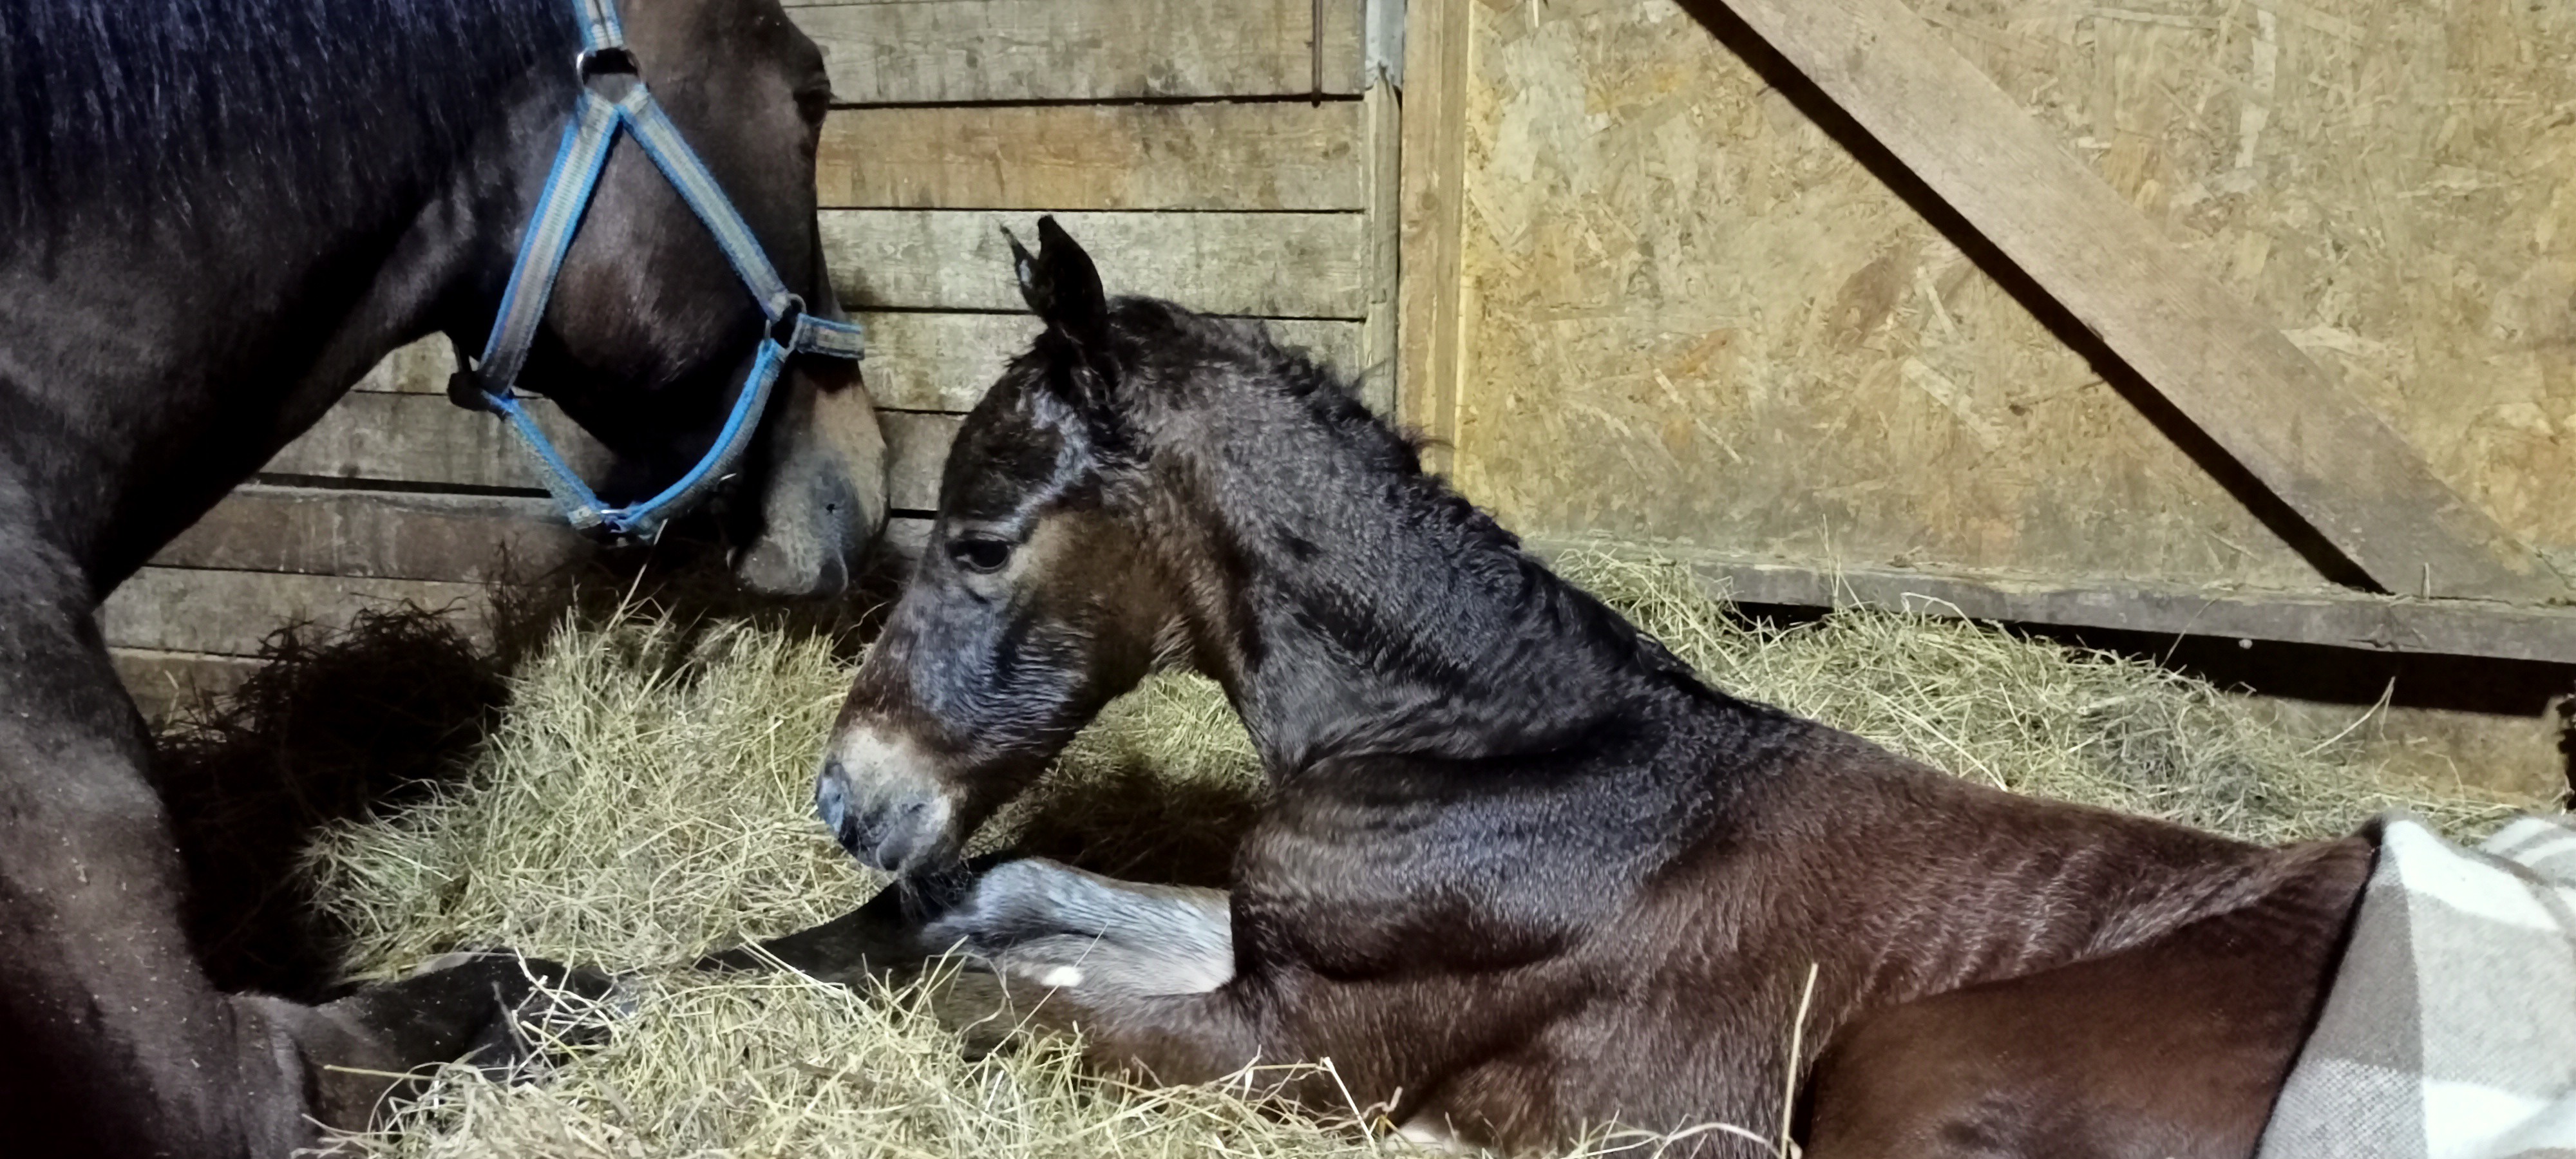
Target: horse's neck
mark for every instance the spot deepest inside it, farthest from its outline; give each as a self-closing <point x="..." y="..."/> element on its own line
<point x="1378" y="614"/>
<point x="265" y="321"/>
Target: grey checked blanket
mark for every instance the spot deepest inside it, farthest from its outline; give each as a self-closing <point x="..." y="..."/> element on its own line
<point x="2450" y="1031"/>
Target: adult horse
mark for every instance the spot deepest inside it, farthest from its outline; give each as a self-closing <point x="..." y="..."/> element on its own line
<point x="214" y="217"/>
<point x="1520" y="871"/>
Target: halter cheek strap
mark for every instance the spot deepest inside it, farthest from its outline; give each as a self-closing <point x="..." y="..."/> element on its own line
<point x="488" y="384"/>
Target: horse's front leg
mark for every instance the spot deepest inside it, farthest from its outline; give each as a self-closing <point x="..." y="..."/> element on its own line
<point x="113" y="1041"/>
<point x="1145" y="972"/>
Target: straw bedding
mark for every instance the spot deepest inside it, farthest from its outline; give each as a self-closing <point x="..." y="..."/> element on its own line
<point x="643" y="797"/>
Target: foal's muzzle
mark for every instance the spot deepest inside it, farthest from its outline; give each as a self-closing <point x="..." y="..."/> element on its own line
<point x="888" y="818"/>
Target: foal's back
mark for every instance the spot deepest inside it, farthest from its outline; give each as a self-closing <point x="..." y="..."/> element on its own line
<point x="1993" y="974"/>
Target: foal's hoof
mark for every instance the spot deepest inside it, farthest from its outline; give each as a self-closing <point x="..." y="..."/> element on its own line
<point x="558" y="1009"/>
<point x="495" y="1010"/>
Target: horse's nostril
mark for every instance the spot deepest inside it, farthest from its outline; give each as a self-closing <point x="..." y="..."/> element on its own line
<point x="832" y="769"/>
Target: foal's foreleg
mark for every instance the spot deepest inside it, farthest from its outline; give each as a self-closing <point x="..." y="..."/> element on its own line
<point x="1142" y="970"/>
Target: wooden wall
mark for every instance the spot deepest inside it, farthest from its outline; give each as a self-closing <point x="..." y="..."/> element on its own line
<point x="1680" y="311"/>
<point x="1230" y="156"/>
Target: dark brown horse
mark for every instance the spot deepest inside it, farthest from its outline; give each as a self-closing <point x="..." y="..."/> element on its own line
<point x="214" y="218"/>
<point x="1520" y="873"/>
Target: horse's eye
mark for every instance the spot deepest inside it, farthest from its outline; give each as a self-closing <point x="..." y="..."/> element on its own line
<point x="980" y="555"/>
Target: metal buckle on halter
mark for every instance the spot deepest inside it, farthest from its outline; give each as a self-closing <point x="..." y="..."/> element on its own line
<point x="607" y="60"/>
<point x="783" y="329"/>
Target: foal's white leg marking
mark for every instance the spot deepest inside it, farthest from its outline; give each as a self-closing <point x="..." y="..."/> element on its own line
<point x="1062" y="927"/>
<point x="1061" y="977"/>
<point x="1434" y="1137"/>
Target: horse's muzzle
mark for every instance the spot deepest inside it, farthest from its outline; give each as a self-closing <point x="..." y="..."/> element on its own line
<point x="889" y="819"/>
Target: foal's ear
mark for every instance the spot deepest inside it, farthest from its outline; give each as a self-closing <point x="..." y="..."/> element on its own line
<point x="1061" y="284"/>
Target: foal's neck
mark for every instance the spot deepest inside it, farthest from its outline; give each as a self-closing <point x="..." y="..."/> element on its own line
<point x="1378" y="614"/>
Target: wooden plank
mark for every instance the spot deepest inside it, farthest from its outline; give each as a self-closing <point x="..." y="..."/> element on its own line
<point x="164" y="682"/>
<point x="2213" y="356"/>
<point x="2354" y="620"/>
<point x="1385" y="230"/>
<point x="916" y="448"/>
<point x="379" y="534"/>
<point x="906" y="535"/>
<point x="944" y="362"/>
<point x="1434" y="186"/>
<point x="1290" y="155"/>
<point x="229" y="613"/>
<point x="1272" y="265"/>
<point x="420" y="368"/>
<point x="1084" y="50"/>
<point x="422" y="438"/>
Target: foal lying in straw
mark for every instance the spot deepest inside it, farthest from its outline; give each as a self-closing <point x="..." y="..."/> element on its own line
<point x="1521" y="873"/>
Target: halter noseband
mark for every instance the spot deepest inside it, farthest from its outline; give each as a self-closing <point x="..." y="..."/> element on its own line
<point x="487" y="384"/>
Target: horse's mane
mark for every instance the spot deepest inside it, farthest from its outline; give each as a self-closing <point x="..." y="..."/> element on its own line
<point x="126" y="106"/>
<point x="1542" y="604"/>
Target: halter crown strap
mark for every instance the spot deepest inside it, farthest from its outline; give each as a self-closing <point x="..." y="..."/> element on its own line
<point x="583" y="155"/>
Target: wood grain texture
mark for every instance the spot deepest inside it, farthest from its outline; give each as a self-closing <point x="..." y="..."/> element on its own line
<point x="420" y="368"/>
<point x="2345" y="620"/>
<point x="164" y="682"/>
<point x="1082" y="50"/>
<point x="916" y="449"/>
<point x="945" y="362"/>
<point x="1283" y="155"/>
<point x="230" y="613"/>
<point x="1271" y="265"/>
<point x="422" y="438"/>
<point x="906" y="536"/>
<point x="1432" y="199"/>
<point x="379" y="535"/>
<point x="1380" y="330"/>
<point x="2204" y="349"/>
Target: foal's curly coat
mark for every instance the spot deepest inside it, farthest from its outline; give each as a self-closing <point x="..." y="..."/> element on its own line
<point x="1521" y="871"/>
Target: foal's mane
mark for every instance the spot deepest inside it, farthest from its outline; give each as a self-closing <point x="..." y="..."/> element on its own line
<point x="1539" y="603"/>
<point x="128" y="106"/>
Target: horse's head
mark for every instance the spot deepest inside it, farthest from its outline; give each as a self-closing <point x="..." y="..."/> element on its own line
<point x="1072" y="553"/>
<point x="649" y="333"/>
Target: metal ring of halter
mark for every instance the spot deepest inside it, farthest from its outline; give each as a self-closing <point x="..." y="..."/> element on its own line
<point x="487" y="384"/>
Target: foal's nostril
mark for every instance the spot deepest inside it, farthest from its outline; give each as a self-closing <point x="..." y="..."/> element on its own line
<point x="831" y="797"/>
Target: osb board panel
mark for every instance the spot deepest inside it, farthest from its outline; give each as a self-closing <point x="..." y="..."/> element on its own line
<point x="1064" y="50"/>
<point x="1296" y="155"/>
<point x="1692" y="317"/>
<point x="945" y="362"/>
<point x="1275" y="265"/>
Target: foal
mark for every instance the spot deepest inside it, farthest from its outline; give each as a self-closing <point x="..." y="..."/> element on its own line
<point x="1521" y="872"/>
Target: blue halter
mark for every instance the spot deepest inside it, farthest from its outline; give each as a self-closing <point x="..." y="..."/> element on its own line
<point x="487" y="384"/>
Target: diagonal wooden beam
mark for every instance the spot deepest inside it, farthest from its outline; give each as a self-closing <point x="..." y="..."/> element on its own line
<point x="2209" y="353"/>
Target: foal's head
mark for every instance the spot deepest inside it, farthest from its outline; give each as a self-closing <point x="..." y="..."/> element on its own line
<point x="1078" y="544"/>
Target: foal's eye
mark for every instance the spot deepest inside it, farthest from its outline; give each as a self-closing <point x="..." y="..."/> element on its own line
<point x="980" y="555"/>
